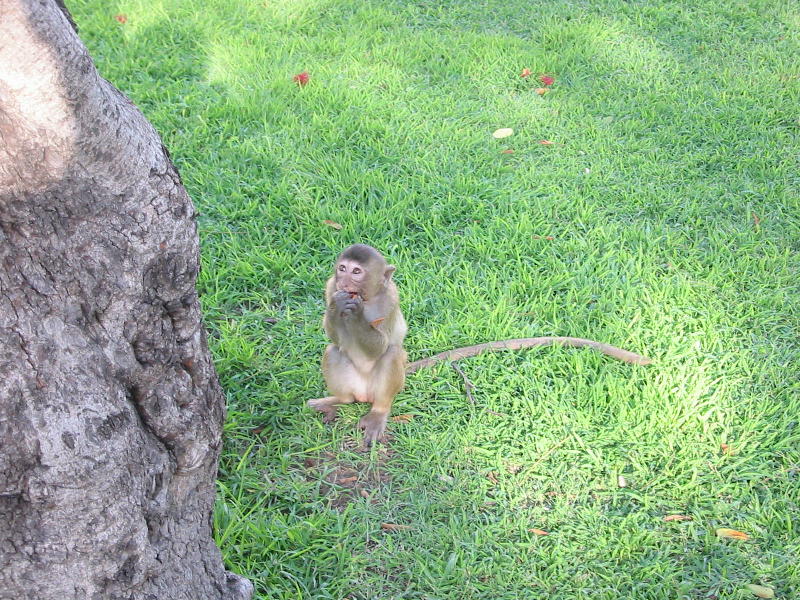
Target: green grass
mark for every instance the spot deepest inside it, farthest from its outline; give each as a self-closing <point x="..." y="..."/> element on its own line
<point x="672" y="196"/>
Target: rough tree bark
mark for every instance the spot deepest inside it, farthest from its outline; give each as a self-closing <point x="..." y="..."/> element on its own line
<point x="110" y="409"/>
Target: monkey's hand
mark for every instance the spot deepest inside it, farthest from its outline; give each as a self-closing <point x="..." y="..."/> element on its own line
<point x="348" y="305"/>
<point x="374" y="426"/>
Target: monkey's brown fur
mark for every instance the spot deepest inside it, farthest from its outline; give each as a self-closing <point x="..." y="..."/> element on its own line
<point x="366" y="361"/>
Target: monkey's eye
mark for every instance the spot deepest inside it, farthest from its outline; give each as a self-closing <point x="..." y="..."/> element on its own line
<point x="341" y="268"/>
<point x="356" y="271"/>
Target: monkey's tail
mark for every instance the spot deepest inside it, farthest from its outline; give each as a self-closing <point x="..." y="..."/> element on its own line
<point x="522" y="343"/>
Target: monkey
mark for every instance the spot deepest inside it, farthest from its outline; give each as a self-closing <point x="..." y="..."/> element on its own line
<point x="366" y="362"/>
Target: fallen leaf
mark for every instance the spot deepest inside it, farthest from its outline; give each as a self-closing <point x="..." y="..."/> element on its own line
<point x="541" y="91"/>
<point x="509" y="151"/>
<point x="733" y="534"/>
<point x="402" y="418"/>
<point x="538" y="531"/>
<point x="121" y="18"/>
<point x="503" y="132"/>
<point x="333" y="224"/>
<point x="756" y="220"/>
<point x="525" y="73"/>
<point x="345" y="480"/>
<point x="364" y="493"/>
<point x="301" y="79"/>
<point x="546" y="79"/>
<point x="394" y="527"/>
<point x="760" y="590"/>
<point x="677" y="518"/>
<point x="492" y="476"/>
<point x="549" y="238"/>
<point x="546" y="142"/>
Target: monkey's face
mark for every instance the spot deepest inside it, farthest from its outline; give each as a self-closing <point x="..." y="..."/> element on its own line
<point x="354" y="278"/>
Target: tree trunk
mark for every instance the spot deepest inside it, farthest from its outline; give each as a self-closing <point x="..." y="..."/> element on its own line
<point x="110" y="409"/>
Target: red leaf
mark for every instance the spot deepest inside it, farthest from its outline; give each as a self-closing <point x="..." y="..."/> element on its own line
<point x="525" y="73"/>
<point x="301" y="78"/>
<point x="121" y="18"/>
<point x="546" y="79"/>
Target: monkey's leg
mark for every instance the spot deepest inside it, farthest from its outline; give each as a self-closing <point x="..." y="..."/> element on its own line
<point x="342" y="380"/>
<point x="328" y="406"/>
<point x="386" y="380"/>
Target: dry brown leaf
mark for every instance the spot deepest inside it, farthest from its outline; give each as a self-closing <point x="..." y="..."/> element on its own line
<point x="549" y="238"/>
<point x="394" y="527"/>
<point x="761" y="591"/>
<point x="727" y="449"/>
<point x="677" y="518"/>
<point x="509" y="151"/>
<point x="492" y="476"/>
<point x="546" y="142"/>
<point x="538" y="531"/>
<point x="732" y="534"/>
<point x="333" y="224"/>
<point x="345" y="480"/>
<point x="364" y="493"/>
<point x="402" y="418"/>
<point x="503" y="132"/>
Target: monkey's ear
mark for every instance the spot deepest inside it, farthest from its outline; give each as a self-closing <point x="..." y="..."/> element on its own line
<point x="387" y="274"/>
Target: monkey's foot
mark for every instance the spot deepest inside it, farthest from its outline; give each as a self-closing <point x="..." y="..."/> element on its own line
<point x="327" y="406"/>
<point x="374" y="426"/>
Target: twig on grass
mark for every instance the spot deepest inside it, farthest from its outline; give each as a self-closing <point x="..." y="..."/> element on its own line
<point x="468" y="385"/>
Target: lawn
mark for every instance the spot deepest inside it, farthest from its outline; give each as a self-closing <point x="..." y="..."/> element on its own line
<point x="662" y="216"/>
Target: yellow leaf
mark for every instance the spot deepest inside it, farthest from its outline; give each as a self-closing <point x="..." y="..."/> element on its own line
<point x="724" y="532"/>
<point x="503" y="133"/>
<point x="677" y="518"/>
<point x="760" y="590"/>
<point x="541" y="91"/>
<point x="538" y="531"/>
<point x="394" y="527"/>
<point x="333" y="224"/>
<point x="402" y="418"/>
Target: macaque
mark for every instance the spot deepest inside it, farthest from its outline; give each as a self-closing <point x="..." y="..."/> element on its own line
<point x="365" y="361"/>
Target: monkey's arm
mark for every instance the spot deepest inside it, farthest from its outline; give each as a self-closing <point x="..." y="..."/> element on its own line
<point x="345" y="320"/>
<point x="522" y="343"/>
